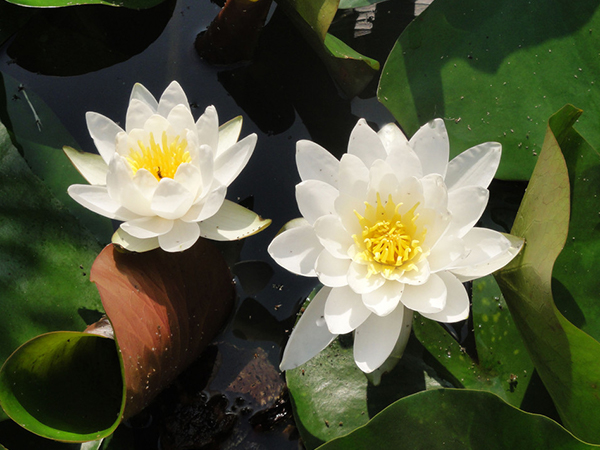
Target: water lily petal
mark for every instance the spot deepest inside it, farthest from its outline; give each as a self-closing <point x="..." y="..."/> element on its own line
<point x="332" y="271"/>
<point x="96" y="199"/>
<point x="435" y="194"/>
<point x="430" y="143"/>
<point x="133" y="244"/>
<point x="360" y="282"/>
<point x="104" y="132"/>
<point x="297" y="250"/>
<point x="333" y="236"/>
<point x="207" y="207"/>
<point x="229" y="133"/>
<point x="171" y="97"/>
<point x="346" y="207"/>
<point x="353" y="176"/>
<point x="203" y="159"/>
<point x="91" y="166"/>
<point x="316" y="163"/>
<point x="475" y="166"/>
<point x="146" y="183"/>
<point x="392" y="137"/>
<point x="207" y="127"/>
<point x="232" y="222"/>
<point x="405" y="162"/>
<point x="171" y="200"/>
<point x="436" y="222"/>
<point x="446" y="253"/>
<point x="156" y="125"/>
<point x="189" y="177"/>
<point x="384" y="300"/>
<point x="417" y="276"/>
<point x="457" y="301"/>
<point x="375" y="339"/>
<point x="147" y="227"/>
<point x="181" y="119"/>
<point x="409" y="192"/>
<point x="315" y="199"/>
<point x="344" y="310"/>
<point x="138" y="112"/>
<point x="489" y="251"/>
<point x="384" y="182"/>
<point x="181" y="237"/>
<point x="365" y="143"/>
<point x="230" y="163"/>
<point x="426" y="298"/>
<point x="310" y="335"/>
<point x="122" y="189"/>
<point x="139" y="92"/>
<point x="466" y="204"/>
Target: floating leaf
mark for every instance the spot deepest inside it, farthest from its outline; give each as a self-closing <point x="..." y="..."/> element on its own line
<point x="164" y="309"/>
<point x="45" y="256"/>
<point x="567" y="359"/>
<point x="502" y="365"/>
<point x="132" y="4"/>
<point x="496" y="70"/>
<point x="457" y="419"/>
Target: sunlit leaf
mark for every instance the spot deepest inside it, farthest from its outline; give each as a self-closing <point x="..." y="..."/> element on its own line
<point x="164" y="309"/>
<point x="496" y="70"/>
<point x="567" y="359"/>
<point x="502" y="365"/>
<point x="457" y="419"/>
<point x="133" y="4"/>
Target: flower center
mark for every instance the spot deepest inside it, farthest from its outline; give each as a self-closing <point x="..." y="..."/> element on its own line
<point x="160" y="159"/>
<point x="389" y="240"/>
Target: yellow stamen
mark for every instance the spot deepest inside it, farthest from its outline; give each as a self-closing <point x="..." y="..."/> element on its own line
<point x="389" y="240"/>
<point x="160" y="159"/>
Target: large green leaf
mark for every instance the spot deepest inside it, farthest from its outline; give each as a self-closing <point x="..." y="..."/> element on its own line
<point x="45" y="256"/>
<point x="164" y="309"/>
<point x="133" y="4"/>
<point x="574" y="285"/>
<point x="351" y="70"/>
<point x="496" y="70"/>
<point x="457" y="419"/>
<point x="330" y="389"/>
<point x="567" y="359"/>
<point x="501" y="365"/>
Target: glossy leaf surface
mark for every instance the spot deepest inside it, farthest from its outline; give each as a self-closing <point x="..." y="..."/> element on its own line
<point x="457" y="419"/>
<point x="496" y="70"/>
<point x="567" y="359"/>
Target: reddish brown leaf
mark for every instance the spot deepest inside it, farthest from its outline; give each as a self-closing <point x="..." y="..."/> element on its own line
<point x="164" y="308"/>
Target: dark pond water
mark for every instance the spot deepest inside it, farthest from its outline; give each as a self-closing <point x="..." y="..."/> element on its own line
<point x="88" y="58"/>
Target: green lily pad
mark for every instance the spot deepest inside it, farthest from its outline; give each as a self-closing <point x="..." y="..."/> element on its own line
<point x="502" y="365"/>
<point x="567" y="359"/>
<point x="495" y="71"/>
<point x="131" y="4"/>
<point x="164" y="309"/>
<point x="330" y="390"/>
<point x="457" y="419"/>
<point x="45" y="258"/>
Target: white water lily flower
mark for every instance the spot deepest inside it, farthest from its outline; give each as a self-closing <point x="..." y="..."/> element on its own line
<point x="388" y="230"/>
<point x="165" y="176"/>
